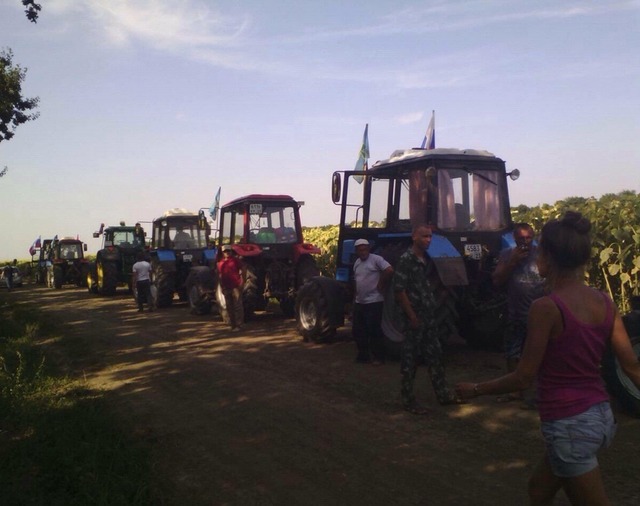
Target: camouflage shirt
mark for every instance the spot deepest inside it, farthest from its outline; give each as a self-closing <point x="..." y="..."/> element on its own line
<point x="411" y="275"/>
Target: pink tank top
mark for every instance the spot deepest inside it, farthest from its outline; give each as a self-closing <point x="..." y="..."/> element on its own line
<point x="569" y="379"/>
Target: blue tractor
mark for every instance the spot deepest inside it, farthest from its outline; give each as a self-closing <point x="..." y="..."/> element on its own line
<point x="463" y="195"/>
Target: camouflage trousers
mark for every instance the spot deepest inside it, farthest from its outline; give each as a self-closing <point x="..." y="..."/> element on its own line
<point x="422" y="346"/>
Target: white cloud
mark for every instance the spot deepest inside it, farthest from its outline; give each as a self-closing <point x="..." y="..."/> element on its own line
<point x="409" y="118"/>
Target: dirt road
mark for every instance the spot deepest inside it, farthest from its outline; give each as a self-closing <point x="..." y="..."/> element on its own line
<point x="261" y="418"/>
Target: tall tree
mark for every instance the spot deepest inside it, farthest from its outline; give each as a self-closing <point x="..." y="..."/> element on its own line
<point x="14" y="108"/>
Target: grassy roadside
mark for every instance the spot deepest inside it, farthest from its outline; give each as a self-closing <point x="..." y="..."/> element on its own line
<point x="59" y="445"/>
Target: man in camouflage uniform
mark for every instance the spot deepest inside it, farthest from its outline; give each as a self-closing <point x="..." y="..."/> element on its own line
<point x="416" y="305"/>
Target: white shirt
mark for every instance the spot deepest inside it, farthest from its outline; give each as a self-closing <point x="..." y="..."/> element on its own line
<point x="142" y="270"/>
<point x="367" y="274"/>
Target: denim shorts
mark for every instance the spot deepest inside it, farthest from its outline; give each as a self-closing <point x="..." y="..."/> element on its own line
<point x="573" y="443"/>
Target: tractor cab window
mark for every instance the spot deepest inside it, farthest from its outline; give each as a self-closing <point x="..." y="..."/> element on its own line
<point x="186" y="235"/>
<point x="123" y="238"/>
<point x="272" y="224"/>
<point x="470" y="200"/>
<point x="70" y="251"/>
<point x="232" y="227"/>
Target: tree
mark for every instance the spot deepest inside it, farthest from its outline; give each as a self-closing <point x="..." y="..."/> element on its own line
<point x="32" y="11"/>
<point x="14" y="108"/>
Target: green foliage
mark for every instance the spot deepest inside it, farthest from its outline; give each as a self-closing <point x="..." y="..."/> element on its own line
<point x="326" y="238"/>
<point x="615" y="220"/>
<point x="60" y="444"/>
<point x="14" y="108"/>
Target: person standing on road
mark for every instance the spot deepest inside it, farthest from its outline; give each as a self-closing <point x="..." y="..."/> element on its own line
<point x="568" y="332"/>
<point x="7" y="272"/>
<point x="517" y="270"/>
<point x="230" y="278"/>
<point x="372" y="274"/>
<point x="417" y="306"/>
<point x="141" y="272"/>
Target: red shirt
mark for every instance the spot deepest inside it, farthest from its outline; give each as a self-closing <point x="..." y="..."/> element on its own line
<point x="229" y="273"/>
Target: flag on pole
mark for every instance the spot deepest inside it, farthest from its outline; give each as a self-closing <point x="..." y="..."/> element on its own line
<point x="35" y="245"/>
<point x="213" y="210"/>
<point x="429" y="141"/>
<point x="363" y="156"/>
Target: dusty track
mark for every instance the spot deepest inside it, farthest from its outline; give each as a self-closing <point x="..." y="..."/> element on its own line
<point x="260" y="417"/>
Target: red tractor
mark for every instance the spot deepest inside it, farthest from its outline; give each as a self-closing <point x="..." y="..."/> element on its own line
<point x="265" y="232"/>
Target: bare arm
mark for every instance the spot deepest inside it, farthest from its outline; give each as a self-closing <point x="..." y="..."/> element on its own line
<point x="624" y="351"/>
<point x="505" y="266"/>
<point x="544" y="321"/>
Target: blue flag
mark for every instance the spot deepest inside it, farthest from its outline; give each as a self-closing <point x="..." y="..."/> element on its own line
<point x="429" y="141"/>
<point x="213" y="210"/>
<point x="363" y="156"/>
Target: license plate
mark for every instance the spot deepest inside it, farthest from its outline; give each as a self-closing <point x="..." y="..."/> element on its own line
<point x="473" y="251"/>
<point x="187" y="258"/>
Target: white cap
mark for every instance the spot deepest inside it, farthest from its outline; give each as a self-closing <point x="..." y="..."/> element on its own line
<point x="226" y="247"/>
<point x="361" y="242"/>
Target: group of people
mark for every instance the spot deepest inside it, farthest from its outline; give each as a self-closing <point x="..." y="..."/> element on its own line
<point x="230" y="276"/>
<point x="558" y="330"/>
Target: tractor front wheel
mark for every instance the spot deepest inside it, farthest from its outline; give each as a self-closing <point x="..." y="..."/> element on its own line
<point x="163" y="285"/>
<point x="107" y="278"/>
<point x="312" y="309"/>
<point x="200" y="286"/>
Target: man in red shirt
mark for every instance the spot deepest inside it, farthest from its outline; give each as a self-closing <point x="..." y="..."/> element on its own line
<point x="230" y="279"/>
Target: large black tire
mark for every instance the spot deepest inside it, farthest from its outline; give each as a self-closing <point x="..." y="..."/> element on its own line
<point x="200" y="287"/>
<point x="107" y="274"/>
<point x="305" y="270"/>
<point x="251" y="299"/>
<point x="92" y="281"/>
<point x="163" y="285"/>
<point x="391" y="327"/>
<point x="57" y="277"/>
<point x="317" y="305"/>
<point x="618" y="383"/>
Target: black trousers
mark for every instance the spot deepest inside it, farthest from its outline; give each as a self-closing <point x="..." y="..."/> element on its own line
<point x="367" y="331"/>
<point x="144" y="293"/>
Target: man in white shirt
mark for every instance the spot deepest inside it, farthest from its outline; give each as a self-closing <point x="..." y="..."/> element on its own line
<point x="142" y="279"/>
<point x="372" y="275"/>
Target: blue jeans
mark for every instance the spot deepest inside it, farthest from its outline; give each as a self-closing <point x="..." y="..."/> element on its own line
<point x="573" y="443"/>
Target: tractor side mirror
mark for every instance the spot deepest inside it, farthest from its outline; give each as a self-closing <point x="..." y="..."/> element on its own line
<point x="96" y="235"/>
<point x="84" y="246"/>
<point x="336" y="187"/>
<point x="202" y="220"/>
<point x="514" y="174"/>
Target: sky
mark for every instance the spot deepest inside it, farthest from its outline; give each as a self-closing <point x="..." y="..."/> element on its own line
<point x="148" y="105"/>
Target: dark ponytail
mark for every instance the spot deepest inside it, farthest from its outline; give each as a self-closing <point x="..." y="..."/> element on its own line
<point x="567" y="240"/>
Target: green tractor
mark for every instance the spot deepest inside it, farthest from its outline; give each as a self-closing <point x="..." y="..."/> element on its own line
<point x="120" y="247"/>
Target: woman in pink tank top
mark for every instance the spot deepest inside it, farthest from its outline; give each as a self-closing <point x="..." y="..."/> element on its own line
<point x="568" y="333"/>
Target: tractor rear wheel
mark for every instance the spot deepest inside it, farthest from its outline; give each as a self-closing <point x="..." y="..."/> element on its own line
<point x="305" y="270"/>
<point x="107" y="275"/>
<point x="164" y="283"/>
<point x="250" y="295"/>
<point x="57" y="277"/>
